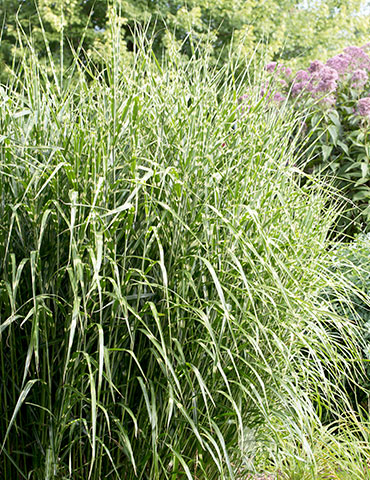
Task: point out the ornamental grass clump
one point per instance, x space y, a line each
159 293
336 99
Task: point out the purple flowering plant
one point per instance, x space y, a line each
335 96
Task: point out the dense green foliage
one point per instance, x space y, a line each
353 261
294 29
160 279
336 100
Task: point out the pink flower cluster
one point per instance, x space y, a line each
359 78
282 76
340 63
274 67
319 79
352 58
270 94
363 107
322 81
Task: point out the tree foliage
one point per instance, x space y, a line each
295 30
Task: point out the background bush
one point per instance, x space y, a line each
335 97
352 261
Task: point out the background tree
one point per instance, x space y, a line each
294 30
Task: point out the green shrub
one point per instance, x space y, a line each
352 261
335 98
